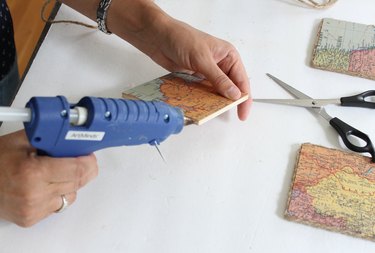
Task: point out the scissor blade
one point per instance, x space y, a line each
289 88
311 103
295 93
323 113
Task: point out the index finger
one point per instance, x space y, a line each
239 77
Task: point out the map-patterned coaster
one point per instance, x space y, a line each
334 190
345 47
195 96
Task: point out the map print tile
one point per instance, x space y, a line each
195 96
345 47
334 190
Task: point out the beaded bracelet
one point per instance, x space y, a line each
101 15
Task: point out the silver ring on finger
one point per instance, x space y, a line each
64 204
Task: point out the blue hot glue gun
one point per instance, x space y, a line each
59 129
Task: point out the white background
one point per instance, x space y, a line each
225 185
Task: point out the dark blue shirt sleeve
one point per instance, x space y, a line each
7 46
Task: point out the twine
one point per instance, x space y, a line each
317 5
42 12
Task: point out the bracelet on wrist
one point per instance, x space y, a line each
101 15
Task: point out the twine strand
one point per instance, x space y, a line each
42 12
316 5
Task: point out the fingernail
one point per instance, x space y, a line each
233 92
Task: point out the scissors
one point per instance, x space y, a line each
317 106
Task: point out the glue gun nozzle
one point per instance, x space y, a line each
156 144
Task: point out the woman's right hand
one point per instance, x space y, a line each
31 186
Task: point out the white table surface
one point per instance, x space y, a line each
225 185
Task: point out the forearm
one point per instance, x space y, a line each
136 21
174 45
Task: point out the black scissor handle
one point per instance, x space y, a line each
359 100
345 130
